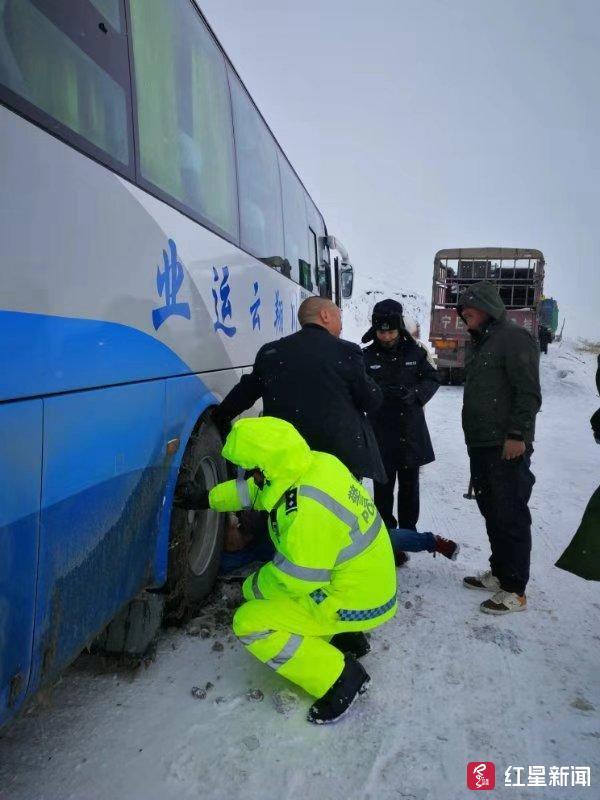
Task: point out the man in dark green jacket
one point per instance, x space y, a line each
502 396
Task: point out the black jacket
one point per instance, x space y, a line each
408 380
318 383
502 388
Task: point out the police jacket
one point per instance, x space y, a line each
318 383
502 390
331 544
408 380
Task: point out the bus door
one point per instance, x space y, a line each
20 481
343 272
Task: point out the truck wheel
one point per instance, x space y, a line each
196 538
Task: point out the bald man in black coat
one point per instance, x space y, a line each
316 381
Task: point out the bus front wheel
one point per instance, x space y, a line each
196 538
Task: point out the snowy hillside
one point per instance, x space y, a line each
370 289
450 685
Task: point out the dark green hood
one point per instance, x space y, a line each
483 296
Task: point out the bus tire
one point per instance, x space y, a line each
196 537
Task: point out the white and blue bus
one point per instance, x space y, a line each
153 237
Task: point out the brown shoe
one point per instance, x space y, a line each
504 603
446 547
485 580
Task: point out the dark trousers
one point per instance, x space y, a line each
502 490
408 494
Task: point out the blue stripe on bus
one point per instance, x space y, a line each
107 484
43 354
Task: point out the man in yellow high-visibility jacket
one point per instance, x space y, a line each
333 574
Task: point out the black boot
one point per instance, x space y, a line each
335 702
351 644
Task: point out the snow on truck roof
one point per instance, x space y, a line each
490 252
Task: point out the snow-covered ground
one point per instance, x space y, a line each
450 685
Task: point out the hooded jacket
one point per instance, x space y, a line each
330 541
502 389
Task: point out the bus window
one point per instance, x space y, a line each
261 227
65 67
294 219
319 257
183 111
307 270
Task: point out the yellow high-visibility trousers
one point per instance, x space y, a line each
292 637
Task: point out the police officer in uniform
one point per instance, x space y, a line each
332 576
403 370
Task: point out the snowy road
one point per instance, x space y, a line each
450 685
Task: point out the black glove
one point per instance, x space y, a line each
407 396
191 496
595 420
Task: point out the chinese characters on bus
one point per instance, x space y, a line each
169 281
223 309
278 314
254 308
168 284
294 314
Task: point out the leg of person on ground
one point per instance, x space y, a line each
410 541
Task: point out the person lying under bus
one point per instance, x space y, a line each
332 576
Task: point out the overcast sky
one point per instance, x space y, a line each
423 124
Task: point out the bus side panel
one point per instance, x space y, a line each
105 465
20 479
